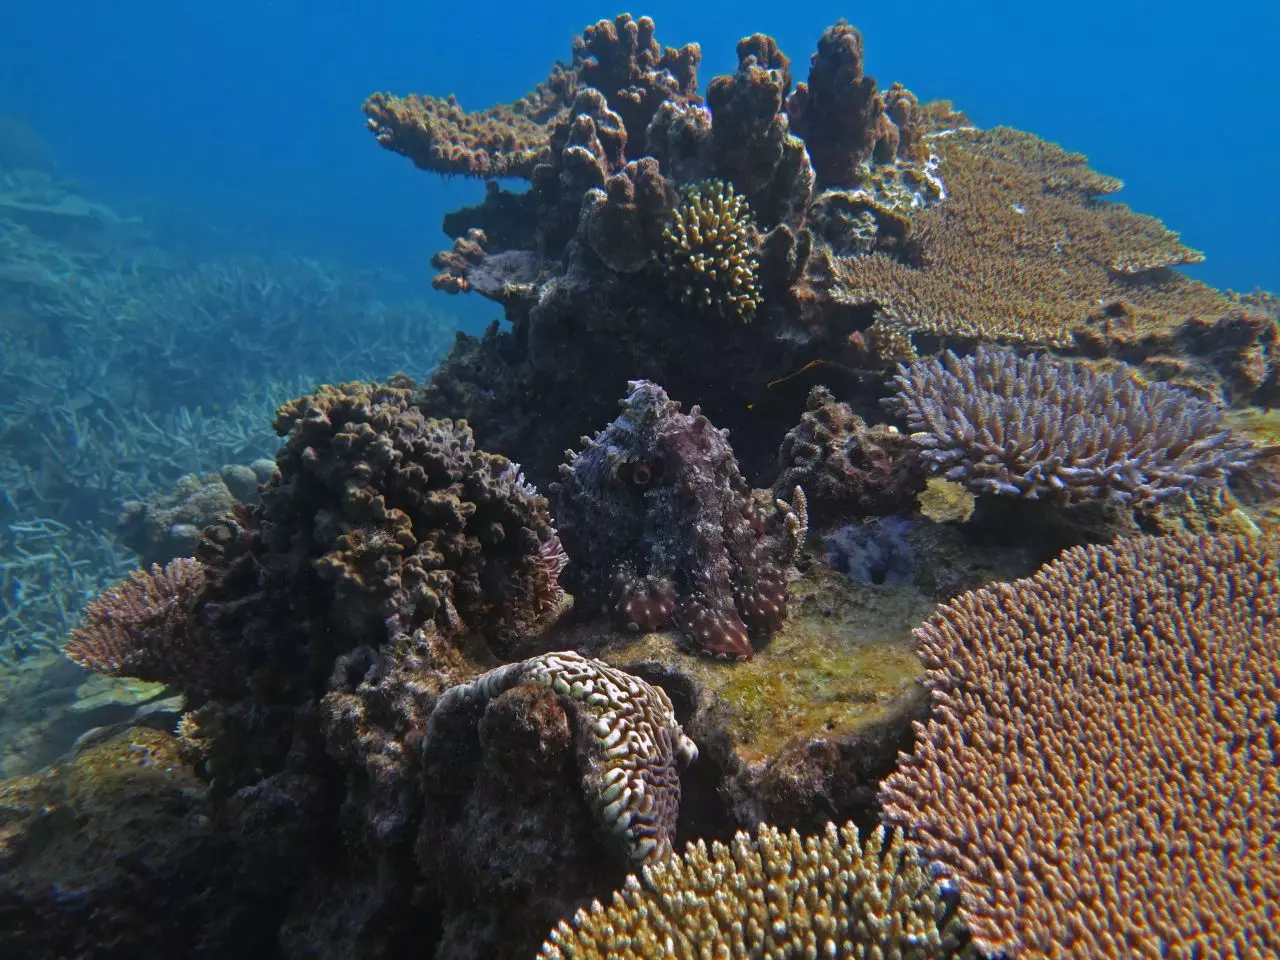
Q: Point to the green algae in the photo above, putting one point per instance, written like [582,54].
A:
[842,661]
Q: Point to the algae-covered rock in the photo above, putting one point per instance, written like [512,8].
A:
[803,732]
[112,853]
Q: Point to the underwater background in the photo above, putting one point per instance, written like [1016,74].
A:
[198,231]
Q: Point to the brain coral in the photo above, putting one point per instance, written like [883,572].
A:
[1101,776]
[631,749]
[1037,425]
[774,895]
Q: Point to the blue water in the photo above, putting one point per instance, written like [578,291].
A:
[244,115]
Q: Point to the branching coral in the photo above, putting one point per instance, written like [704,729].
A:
[661,527]
[772,895]
[710,251]
[1041,426]
[630,747]
[145,628]
[1101,776]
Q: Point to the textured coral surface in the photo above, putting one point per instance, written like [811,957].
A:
[661,527]
[770,895]
[1039,426]
[1102,772]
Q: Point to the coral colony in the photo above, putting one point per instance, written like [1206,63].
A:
[675,707]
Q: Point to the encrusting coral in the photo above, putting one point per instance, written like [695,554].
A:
[630,747]
[1101,776]
[1040,426]
[769,896]
[661,528]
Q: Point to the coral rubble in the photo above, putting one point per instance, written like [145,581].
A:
[661,528]
[1100,773]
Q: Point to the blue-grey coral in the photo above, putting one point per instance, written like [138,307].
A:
[1101,776]
[770,896]
[1041,425]
[661,527]
[630,747]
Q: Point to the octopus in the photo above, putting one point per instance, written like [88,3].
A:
[662,530]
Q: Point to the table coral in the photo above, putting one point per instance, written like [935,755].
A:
[769,896]
[1101,776]
[1043,262]
[1039,426]
[660,527]
[630,747]
[502,141]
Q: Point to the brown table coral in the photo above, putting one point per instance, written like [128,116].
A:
[1100,776]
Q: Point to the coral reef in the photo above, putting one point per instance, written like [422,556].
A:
[378,522]
[710,251]
[630,748]
[771,895]
[647,197]
[1100,773]
[1040,426]
[167,526]
[660,527]
[847,469]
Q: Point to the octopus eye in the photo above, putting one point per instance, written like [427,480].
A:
[640,474]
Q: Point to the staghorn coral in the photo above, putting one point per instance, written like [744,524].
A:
[772,895]
[630,748]
[659,525]
[710,251]
[145,628]
[1042,426]
[1100,776]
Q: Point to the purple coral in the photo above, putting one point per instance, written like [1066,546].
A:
[661,528]
[1036,425]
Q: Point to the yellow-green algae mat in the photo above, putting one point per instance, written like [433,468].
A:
[842,661]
